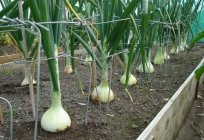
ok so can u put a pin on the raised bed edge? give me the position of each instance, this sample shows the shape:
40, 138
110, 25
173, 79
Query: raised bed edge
167, 123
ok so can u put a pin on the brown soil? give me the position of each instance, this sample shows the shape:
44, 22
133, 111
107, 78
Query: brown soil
118, 120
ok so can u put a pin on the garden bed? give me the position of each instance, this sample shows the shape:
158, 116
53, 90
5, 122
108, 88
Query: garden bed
120, 119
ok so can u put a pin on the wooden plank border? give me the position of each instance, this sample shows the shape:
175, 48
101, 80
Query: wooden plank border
167, 123
1, 116
9, 58
6, 62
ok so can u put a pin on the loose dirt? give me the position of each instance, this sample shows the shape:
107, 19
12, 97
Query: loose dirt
119, 120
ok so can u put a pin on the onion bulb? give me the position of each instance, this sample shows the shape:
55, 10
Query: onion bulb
166, 56
174, 50
26, 81
88, 60
159, 58
131, 81
26, 78
181, 47
68, 69
148, 67
55, 119
102, 94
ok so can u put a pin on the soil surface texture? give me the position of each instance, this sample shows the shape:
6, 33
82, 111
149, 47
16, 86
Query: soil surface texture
119, 120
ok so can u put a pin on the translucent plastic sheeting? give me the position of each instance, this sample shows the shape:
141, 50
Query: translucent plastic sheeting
198, 25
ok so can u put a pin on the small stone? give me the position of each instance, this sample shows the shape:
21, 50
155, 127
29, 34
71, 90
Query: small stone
134, 125
201, 115
151, 89
166, 99
82, 104
200, 97
111, 115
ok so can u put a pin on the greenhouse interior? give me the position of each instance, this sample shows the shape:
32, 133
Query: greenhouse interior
101, 70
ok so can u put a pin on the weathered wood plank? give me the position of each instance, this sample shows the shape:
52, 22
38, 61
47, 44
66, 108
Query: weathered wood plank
1, 116
7, 64
169, 120
10, 66
9, 58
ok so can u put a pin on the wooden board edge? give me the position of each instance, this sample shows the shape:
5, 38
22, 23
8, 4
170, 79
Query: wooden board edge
9, 58
146, 134
10, 65
1, 116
